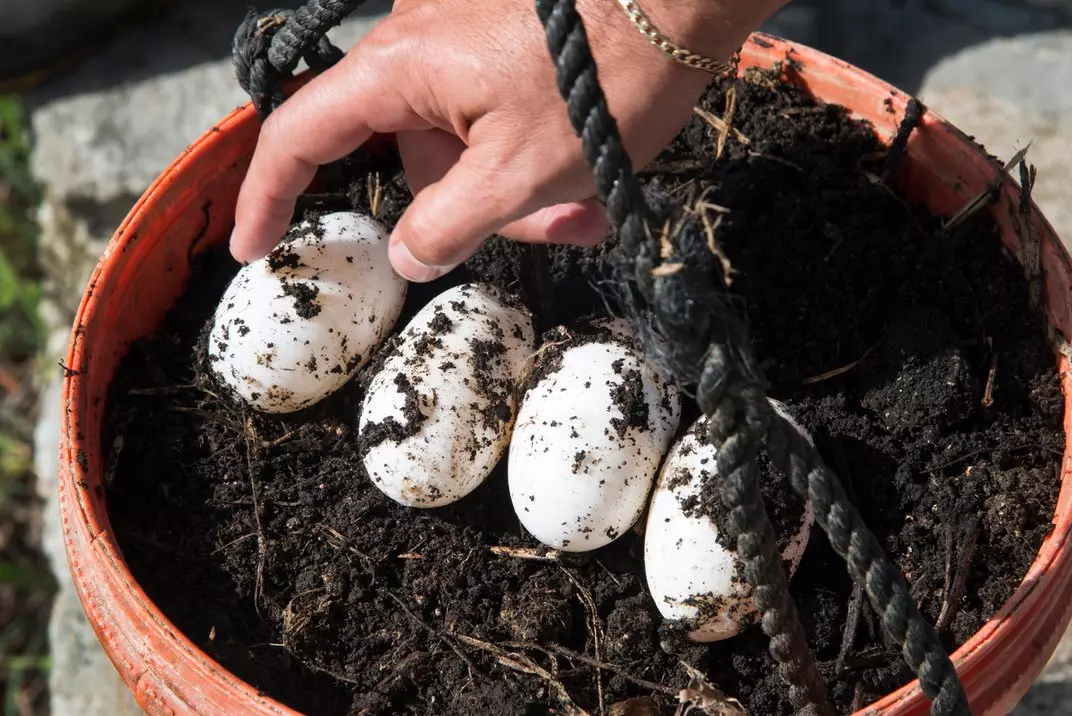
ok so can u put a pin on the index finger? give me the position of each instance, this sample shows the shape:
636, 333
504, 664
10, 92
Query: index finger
322, 122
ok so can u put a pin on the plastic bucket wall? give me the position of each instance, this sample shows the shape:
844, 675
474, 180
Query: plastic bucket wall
190, 207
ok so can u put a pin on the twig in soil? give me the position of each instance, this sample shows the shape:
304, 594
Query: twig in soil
533, 553
222, 420
269, 444
262, 544
375, 193
311, 663
969, 536
294, 622
985, 196
812, 380
573, 656
895, 156
443, 637
162, 390
988, 391
338, 540
233, 542
710, 228
525, 665
852, 625
1030, 249
610, 573
724, 133
701, 694
530, 363
720, 125
778, 160
871, 658
593, 629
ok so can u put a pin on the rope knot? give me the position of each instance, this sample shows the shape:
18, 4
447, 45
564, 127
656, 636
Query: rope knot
268, 46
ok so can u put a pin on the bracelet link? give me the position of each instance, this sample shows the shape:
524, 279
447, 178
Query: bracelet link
667, 47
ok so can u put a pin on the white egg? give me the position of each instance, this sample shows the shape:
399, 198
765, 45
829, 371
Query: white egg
438, 415
590, 434
294, 326
690, 574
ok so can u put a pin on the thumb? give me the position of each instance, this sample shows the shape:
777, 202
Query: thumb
450, 219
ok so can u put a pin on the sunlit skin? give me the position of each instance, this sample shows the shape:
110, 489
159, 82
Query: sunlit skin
468, 88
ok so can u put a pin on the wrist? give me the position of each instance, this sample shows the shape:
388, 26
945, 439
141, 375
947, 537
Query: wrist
712, 28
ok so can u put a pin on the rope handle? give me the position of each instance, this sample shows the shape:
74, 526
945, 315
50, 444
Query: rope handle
709, 348
267, 47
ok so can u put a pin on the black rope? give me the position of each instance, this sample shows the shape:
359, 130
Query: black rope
268, 46
710, 347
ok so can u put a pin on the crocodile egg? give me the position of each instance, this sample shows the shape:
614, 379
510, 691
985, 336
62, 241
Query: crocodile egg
438, 415
691, 575
591, 431
295, 326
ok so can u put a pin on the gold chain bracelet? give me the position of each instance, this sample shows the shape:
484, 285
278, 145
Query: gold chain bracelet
669, 48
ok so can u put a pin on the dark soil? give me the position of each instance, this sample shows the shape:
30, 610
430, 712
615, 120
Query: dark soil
262, 539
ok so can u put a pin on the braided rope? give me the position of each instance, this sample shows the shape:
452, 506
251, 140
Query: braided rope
267, 47
710, 347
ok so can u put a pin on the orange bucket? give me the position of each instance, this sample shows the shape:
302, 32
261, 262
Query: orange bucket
190, 207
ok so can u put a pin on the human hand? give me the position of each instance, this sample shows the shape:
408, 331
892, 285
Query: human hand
469, 90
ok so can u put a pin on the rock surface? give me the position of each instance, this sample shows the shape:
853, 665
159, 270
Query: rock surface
1008, 93
101, 135
104, 132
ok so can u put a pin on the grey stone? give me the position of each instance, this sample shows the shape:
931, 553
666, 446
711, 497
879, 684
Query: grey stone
1051, 695
101, 135
36, 34
83, 680
796, 21
900, 40
109, 129
1009, 92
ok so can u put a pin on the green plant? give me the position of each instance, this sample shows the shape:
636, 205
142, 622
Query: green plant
26, 585
20, 292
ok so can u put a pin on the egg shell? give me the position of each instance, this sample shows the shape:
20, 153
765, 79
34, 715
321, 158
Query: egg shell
438, 415
690, 575
295, 326
590, 434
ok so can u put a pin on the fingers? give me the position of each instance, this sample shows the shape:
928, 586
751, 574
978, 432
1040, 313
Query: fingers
321, 123
459, 193
427, 156
579, 223
449, 219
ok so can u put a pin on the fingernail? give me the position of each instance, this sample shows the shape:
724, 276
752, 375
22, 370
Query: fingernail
237, 257
409, 267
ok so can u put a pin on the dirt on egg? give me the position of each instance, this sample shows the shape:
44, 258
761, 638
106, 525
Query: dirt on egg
910, 355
